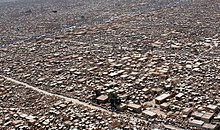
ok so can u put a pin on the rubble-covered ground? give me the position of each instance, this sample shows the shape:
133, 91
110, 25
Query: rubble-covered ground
142, 50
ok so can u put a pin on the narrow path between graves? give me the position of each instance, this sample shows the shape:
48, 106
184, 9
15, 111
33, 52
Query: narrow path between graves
75, 101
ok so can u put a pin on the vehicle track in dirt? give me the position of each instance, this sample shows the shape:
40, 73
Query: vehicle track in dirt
73, 100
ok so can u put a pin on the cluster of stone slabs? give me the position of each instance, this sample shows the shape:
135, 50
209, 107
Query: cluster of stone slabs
58, 66
166, 76
24, 108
